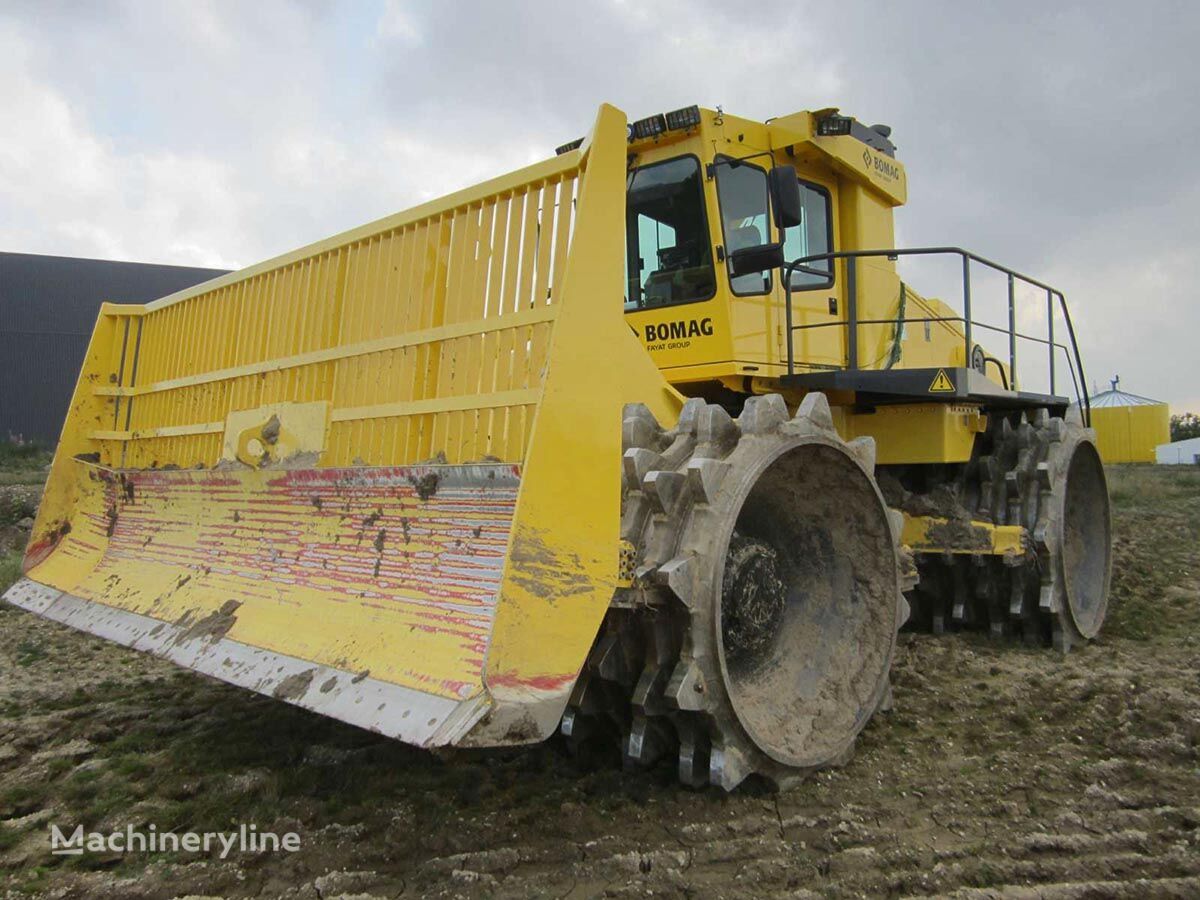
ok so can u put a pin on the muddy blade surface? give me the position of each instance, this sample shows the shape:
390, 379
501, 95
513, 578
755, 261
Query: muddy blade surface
367, 594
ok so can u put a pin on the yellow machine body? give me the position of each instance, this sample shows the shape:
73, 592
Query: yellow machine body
379, 477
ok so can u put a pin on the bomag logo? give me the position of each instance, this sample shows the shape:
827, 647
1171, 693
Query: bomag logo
676, 335
881, 165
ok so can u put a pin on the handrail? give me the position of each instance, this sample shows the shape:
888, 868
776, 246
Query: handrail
852, 321
917, 321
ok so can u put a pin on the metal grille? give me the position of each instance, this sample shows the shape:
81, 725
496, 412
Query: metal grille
427, 334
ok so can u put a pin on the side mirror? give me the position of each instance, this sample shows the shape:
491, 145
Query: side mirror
756, 259
785, 197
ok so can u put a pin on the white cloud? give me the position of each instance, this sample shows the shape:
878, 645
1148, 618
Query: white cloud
68, 190
397, 23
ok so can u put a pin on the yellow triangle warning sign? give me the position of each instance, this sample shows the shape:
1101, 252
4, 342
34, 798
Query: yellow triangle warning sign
941, 383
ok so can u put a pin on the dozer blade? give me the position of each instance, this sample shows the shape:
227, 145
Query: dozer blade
366, 594
378, 477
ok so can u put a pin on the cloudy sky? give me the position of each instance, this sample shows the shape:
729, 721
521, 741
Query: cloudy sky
1060, 138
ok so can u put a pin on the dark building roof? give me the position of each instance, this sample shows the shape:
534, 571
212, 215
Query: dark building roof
48, 305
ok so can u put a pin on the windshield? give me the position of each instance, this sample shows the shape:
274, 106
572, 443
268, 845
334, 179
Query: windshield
669, 253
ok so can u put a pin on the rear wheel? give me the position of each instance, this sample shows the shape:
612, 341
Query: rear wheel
1044, 473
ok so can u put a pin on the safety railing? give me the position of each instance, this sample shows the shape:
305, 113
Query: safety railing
1054, 298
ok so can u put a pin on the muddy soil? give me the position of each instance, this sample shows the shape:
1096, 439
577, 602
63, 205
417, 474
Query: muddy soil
1002, 772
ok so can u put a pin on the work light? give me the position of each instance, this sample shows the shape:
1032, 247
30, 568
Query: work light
649, 127
679, 119
832, 126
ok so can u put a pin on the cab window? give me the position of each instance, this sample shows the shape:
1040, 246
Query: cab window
668, 250
744, 197
813, 235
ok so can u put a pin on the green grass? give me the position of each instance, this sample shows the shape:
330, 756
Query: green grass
22, 477
10, 570
17, 503
22, 799
11, 835
30, 652
1156, 520
23, 456
1131, 486
23, 463
35, 880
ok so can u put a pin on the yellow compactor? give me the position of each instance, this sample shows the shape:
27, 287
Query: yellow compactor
428, 477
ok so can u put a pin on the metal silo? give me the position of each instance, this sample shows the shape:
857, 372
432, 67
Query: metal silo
1129, 427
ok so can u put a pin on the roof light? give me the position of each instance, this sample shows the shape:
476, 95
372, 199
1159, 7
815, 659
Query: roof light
568, 147
832, 126
649, 127
679, 119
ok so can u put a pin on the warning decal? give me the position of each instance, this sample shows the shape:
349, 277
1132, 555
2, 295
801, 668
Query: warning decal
941, 383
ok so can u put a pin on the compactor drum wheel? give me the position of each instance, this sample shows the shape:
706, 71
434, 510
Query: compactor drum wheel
1044, 473
766, 592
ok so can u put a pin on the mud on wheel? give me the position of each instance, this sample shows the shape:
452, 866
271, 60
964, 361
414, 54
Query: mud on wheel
757, 633
1041, 472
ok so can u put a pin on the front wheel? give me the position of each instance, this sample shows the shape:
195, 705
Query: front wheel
757, 637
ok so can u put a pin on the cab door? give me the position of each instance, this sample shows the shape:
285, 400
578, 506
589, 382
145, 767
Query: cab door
818, 300
743, 198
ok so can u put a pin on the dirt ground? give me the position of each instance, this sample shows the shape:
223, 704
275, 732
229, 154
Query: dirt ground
1002, 772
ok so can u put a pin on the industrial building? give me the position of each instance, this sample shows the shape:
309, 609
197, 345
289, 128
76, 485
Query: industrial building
48, 306
1179, 453
1129, 427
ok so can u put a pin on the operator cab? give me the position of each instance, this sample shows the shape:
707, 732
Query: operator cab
715, 204
670, 248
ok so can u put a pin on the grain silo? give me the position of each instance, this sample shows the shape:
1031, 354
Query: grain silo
1129, 427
